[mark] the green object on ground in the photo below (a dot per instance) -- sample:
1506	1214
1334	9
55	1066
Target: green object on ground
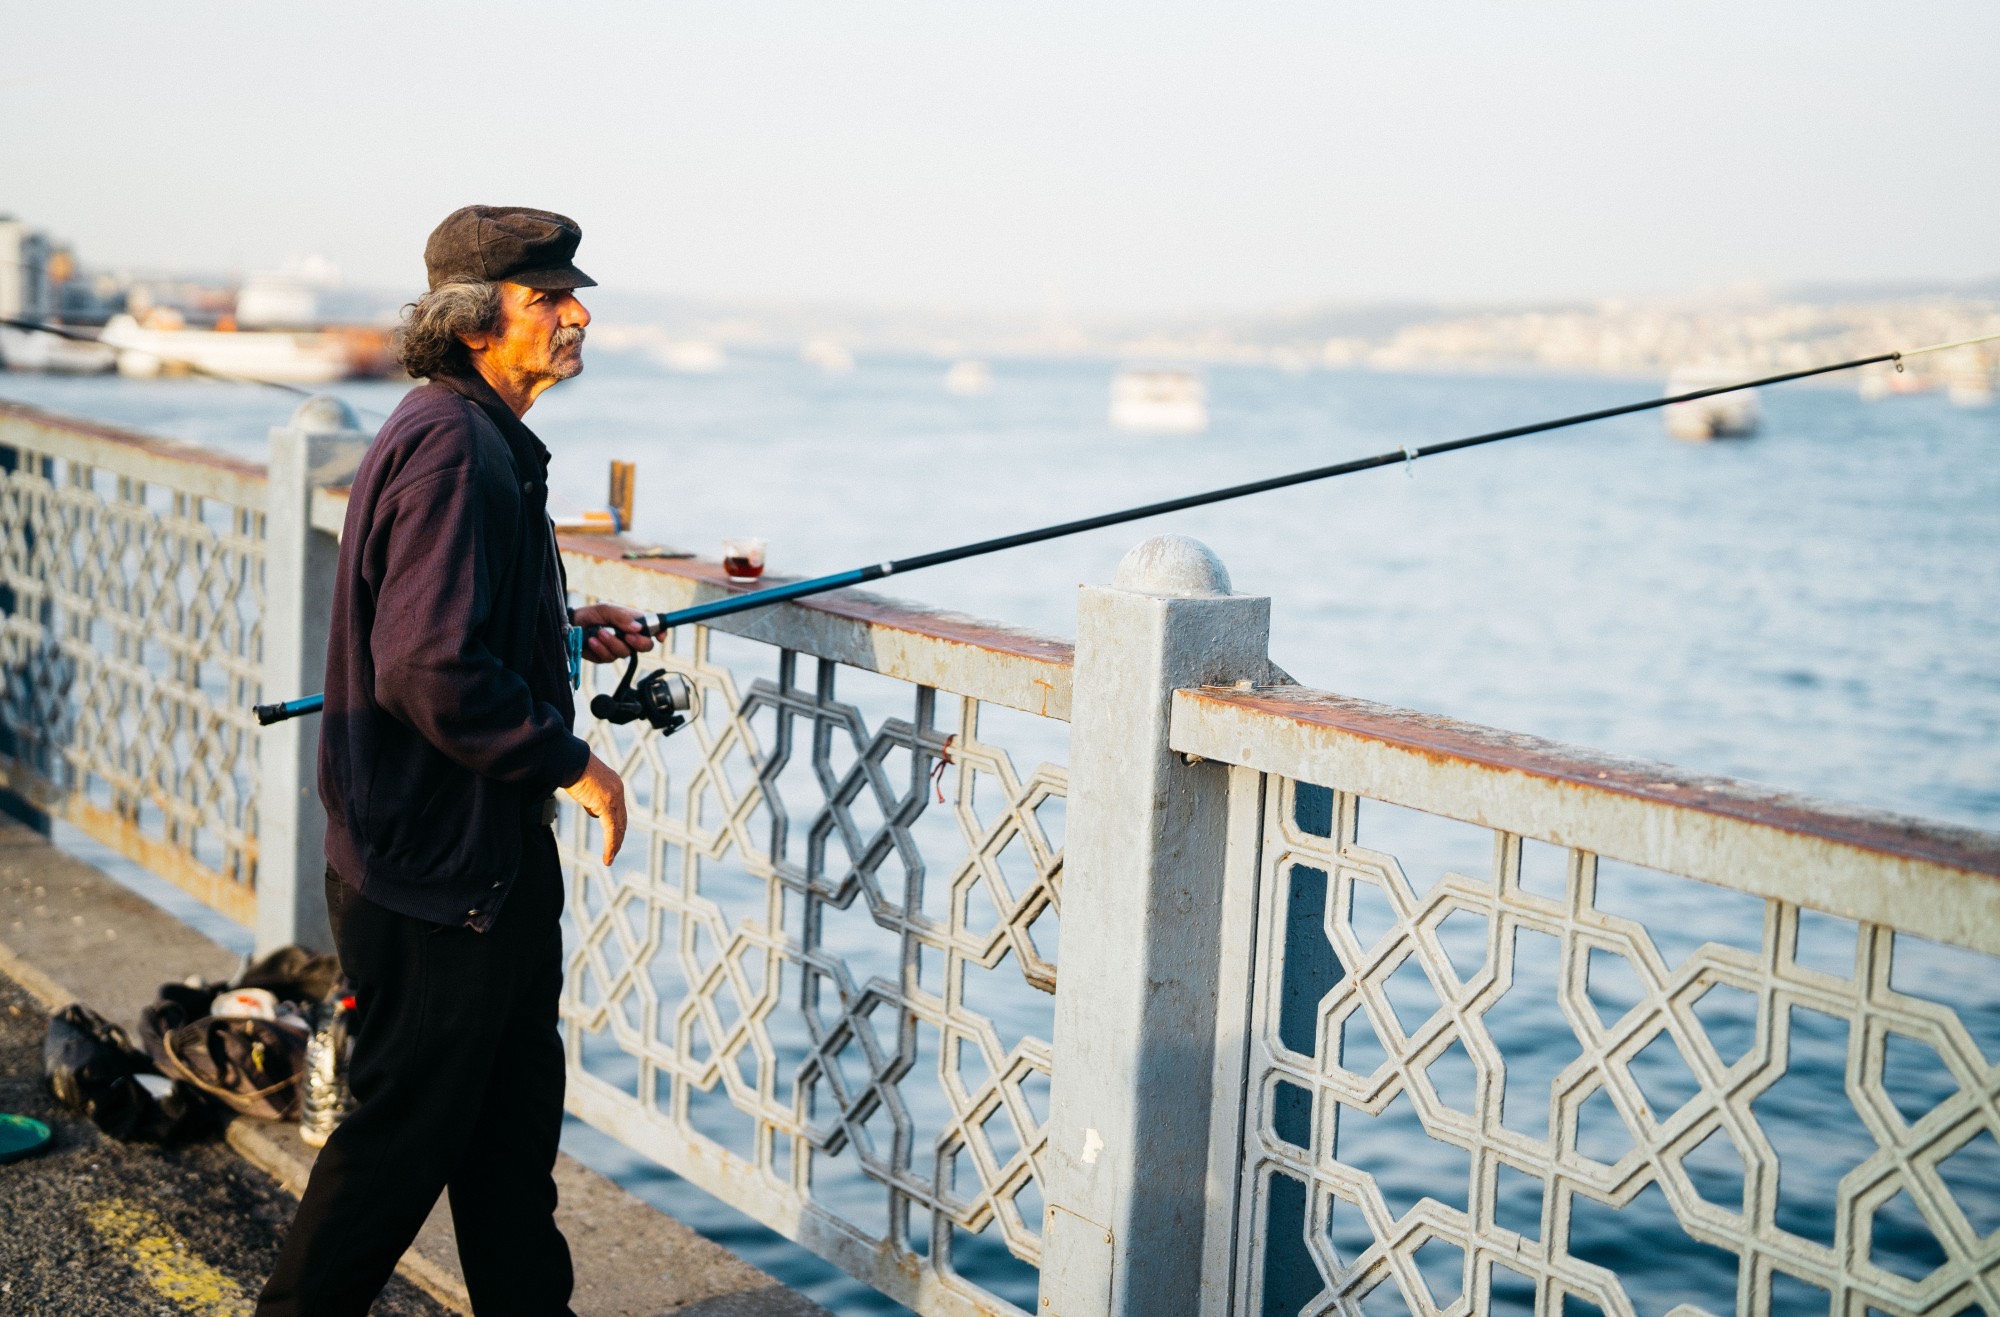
20	1136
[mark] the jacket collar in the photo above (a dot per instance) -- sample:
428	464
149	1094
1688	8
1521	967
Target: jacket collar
529	452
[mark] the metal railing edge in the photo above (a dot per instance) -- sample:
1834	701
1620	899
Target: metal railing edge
1932	879
186	467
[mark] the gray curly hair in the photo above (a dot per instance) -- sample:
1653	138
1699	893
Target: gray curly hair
428	342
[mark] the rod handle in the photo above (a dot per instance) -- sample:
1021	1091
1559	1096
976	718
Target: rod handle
277	713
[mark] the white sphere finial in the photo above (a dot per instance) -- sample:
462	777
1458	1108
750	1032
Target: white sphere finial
1173	565
324	414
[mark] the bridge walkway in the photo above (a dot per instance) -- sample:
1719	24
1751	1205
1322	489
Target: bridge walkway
94	1228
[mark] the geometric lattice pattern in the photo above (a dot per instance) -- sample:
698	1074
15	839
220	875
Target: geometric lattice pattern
812	988
1677	1144
130	647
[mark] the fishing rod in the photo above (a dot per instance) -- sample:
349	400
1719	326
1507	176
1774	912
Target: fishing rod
659	623
192	367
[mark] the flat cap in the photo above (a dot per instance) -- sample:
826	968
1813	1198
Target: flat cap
510	244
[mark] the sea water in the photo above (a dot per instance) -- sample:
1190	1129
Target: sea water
1817	608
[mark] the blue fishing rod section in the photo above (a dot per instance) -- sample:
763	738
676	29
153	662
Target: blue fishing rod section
778	594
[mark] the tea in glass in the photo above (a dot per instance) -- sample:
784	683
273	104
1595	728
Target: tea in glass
743	559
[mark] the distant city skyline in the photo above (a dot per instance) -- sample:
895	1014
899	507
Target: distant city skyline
1054	159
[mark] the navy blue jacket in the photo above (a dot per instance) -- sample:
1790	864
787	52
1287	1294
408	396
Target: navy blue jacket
448	708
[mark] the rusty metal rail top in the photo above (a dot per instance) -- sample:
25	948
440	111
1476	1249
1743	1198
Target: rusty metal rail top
1933	879
1900	835
20	424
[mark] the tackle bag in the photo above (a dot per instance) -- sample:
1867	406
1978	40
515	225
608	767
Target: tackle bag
251	1066
96	1072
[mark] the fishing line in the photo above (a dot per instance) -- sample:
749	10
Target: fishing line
192	367
661	622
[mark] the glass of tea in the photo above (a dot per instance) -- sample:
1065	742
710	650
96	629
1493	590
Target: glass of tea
743	559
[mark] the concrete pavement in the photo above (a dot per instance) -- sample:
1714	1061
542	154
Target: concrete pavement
67	932
97	1228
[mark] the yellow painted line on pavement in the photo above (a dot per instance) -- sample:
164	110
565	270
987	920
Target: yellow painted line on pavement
166	1262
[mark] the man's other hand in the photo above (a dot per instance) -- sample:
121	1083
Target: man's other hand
611	632
600	792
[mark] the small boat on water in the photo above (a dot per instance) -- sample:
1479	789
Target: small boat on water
1724	416
968	379
1968	382
1976	391
1879	382
829	356
691	356
1159	402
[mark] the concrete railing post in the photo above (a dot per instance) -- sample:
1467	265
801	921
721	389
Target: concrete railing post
1135	1005
321	446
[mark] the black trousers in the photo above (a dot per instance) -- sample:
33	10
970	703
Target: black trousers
458	1080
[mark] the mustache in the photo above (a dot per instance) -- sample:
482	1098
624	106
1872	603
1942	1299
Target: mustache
566	337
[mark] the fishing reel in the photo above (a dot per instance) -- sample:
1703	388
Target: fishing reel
664	699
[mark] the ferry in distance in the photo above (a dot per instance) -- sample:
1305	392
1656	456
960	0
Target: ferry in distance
691	356
829	356
1878	382
270	329
1159	402
163	344
969	379
1968	382
1724	416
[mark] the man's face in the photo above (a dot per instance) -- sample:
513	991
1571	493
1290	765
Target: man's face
540	336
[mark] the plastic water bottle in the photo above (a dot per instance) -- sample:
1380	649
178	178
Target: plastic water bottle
326	1100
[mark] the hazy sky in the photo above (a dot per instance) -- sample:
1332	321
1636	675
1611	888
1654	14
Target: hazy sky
1021	155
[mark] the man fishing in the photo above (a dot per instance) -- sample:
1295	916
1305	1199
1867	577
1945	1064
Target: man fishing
446	734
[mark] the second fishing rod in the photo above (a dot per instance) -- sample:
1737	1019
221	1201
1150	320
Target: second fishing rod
659	623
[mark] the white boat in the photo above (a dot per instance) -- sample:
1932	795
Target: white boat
691	356
1879	382
829	356
281	358
1971	391
1968	382
25	349
968	379
1159	402
1724	416
276	301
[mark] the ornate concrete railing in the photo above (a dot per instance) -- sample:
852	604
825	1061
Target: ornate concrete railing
817	982
1585	1030
150	591
1359	1010
131	609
